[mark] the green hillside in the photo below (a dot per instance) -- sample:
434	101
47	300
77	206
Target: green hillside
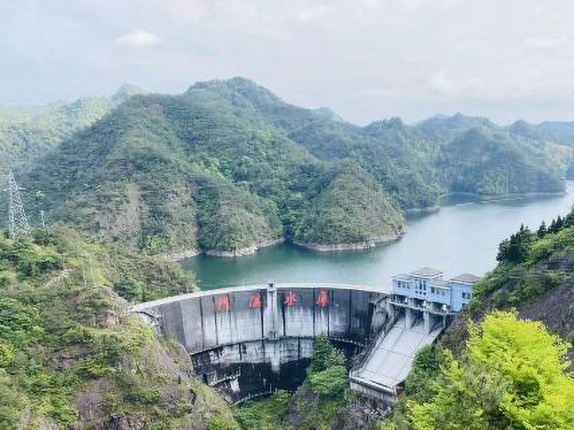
488	164
227	167
71	356
29	132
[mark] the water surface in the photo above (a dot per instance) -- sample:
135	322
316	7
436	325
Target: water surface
463	236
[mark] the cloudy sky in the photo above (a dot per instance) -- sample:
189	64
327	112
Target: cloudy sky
366	59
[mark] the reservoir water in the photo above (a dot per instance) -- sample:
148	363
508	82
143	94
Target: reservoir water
463	236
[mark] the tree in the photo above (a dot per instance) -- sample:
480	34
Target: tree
512	376
325	355
542	230
515	249
328	371
330	382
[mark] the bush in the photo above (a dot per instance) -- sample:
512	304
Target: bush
325	355
330	382
512	376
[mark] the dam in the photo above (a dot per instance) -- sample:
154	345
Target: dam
251	341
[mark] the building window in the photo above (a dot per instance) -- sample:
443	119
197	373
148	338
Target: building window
432	290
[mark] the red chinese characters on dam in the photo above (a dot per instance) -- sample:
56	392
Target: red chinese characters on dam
223	304
291	299
255	301
323	299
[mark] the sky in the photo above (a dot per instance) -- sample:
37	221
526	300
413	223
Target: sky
365	59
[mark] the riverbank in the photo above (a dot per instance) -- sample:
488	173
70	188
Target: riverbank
457	236
251	250
243	252
322	247
508	196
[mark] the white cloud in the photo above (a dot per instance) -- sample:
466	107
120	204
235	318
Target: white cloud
544	42
367	59
140	39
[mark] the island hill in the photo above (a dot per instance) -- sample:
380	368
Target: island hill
228	167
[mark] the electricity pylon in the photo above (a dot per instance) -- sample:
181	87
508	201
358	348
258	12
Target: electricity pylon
18	222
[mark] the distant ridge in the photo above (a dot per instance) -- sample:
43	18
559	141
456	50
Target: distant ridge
228	167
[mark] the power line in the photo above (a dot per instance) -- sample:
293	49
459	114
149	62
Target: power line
18	222
43	220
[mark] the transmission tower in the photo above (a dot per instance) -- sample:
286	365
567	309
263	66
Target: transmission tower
18	222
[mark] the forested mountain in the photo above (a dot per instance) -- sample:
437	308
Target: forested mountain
560	130
228	166
29	132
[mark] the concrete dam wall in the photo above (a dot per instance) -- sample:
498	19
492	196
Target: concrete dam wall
251	341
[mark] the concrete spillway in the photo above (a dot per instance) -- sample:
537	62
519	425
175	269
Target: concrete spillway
250	341
390	359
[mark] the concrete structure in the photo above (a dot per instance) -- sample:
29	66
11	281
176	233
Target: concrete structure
388	363
426	289
420	307
251	341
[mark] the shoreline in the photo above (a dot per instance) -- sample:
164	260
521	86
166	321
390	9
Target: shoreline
243	252
333	247
508	196
422	210
356	246
248	250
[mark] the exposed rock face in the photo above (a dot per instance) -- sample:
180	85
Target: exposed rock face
321	247
304	403
182	255
356	417
246	251
177	387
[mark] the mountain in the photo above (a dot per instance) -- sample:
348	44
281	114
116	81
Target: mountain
446	128
228	167
483	163
27	133
72	356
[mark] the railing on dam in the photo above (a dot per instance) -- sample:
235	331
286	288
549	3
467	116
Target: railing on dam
279	286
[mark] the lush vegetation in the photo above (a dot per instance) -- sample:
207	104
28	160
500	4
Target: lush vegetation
512	375
318	404
228	165
27	133
69	350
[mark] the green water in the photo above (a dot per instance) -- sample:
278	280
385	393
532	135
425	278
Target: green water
462	236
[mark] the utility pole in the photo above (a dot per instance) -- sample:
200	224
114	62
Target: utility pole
18	224
43	219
